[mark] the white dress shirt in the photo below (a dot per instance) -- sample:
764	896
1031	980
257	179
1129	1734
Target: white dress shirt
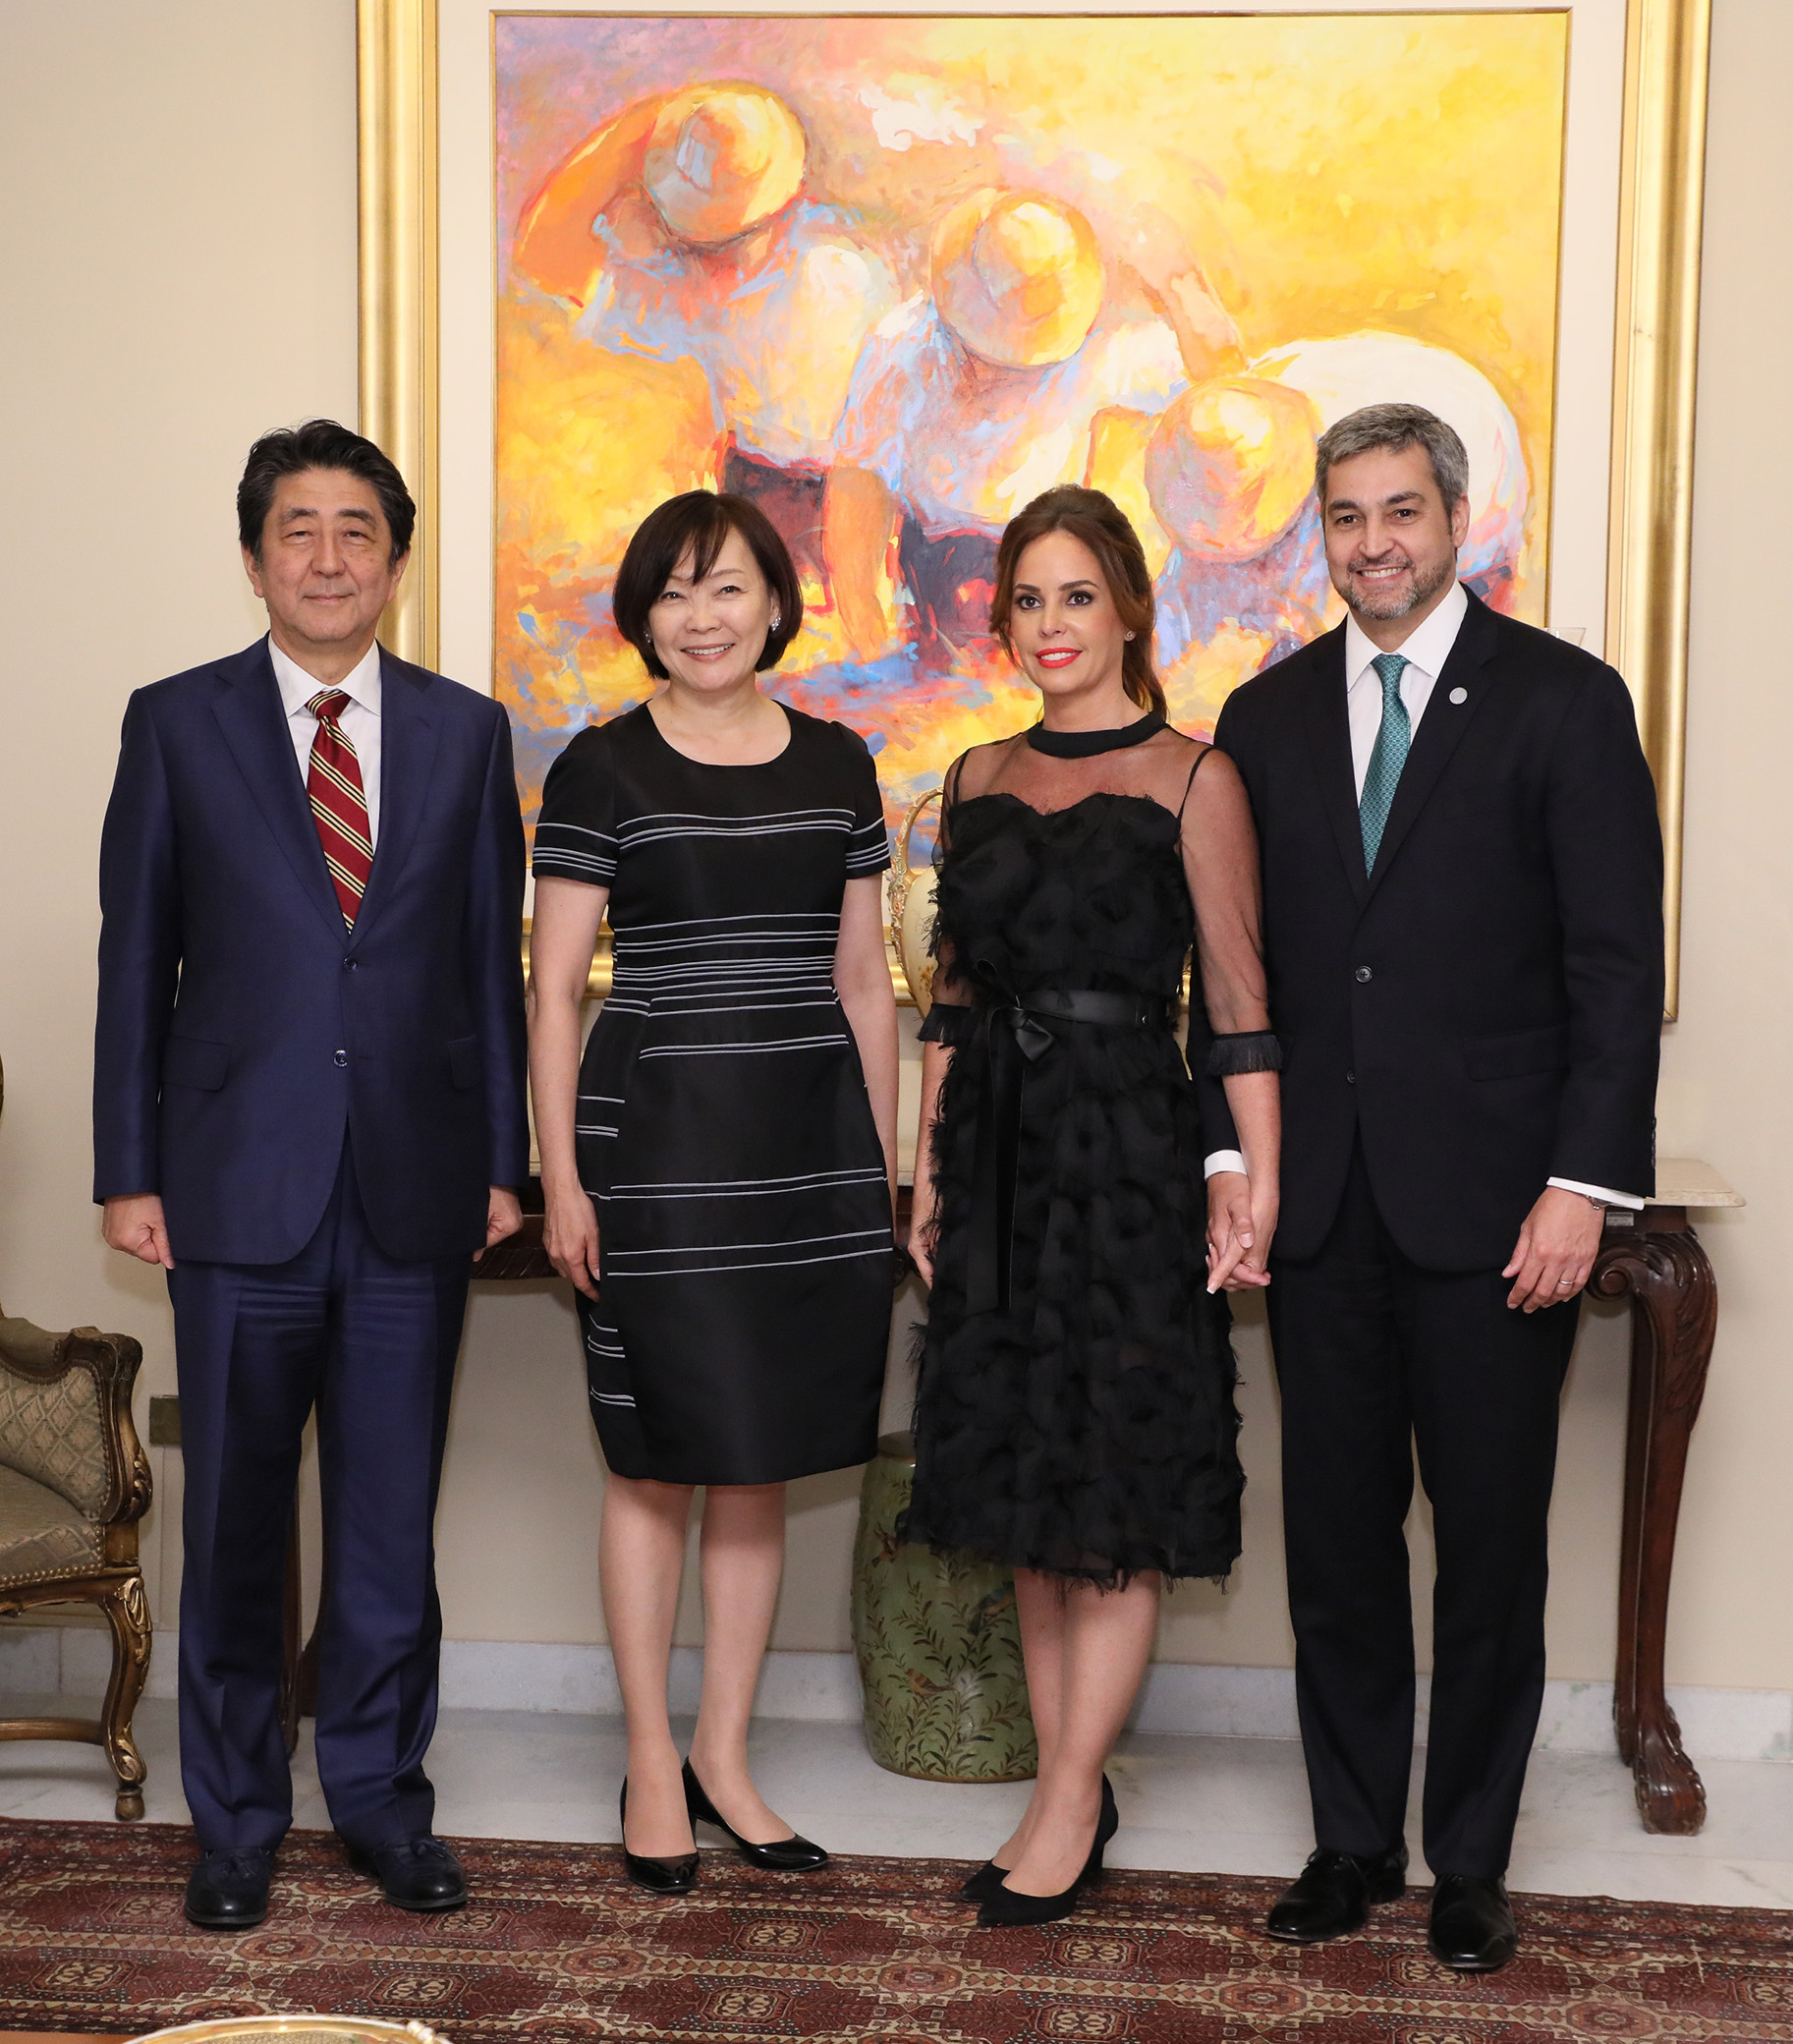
1425	652
360	721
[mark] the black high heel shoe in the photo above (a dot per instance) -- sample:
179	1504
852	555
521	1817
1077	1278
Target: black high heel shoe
988	1877
675	1876
1005	1907
792	1856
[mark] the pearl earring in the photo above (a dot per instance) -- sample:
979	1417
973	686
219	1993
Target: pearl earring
777	621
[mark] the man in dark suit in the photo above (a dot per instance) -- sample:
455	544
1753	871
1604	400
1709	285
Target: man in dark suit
308	1107
1462	872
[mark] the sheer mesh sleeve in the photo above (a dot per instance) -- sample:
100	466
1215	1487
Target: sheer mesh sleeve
1219	846
951	992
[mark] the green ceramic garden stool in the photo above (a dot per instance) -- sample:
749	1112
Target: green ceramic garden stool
938	1646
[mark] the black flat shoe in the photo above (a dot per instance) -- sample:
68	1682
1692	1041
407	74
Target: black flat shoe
988	1877
792	1856
1004	1907
1334	1895
228	1891
675	1876
419	1873
1472	1929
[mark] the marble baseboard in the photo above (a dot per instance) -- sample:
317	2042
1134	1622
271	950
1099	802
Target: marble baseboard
1204	1702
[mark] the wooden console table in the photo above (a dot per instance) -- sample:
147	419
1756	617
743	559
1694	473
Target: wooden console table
1654	1260
1657	1261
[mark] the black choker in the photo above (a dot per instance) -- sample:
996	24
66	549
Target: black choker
1085	745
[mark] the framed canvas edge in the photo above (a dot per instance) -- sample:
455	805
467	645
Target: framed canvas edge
1649	526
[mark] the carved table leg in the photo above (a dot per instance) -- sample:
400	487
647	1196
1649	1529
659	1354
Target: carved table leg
1661	1266
127	1612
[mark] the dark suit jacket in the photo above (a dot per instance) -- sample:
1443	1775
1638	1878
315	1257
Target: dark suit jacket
1488	1007
243	1030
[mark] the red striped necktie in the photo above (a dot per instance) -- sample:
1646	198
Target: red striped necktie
339	807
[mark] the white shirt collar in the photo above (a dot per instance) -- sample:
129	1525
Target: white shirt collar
1427	648
361	683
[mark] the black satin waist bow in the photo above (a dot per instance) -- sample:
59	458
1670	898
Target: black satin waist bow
1014	1035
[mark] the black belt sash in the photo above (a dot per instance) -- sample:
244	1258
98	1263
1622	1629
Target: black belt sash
1014	1037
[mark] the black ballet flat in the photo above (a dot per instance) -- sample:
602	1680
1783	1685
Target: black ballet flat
1005	1909
792	1856
675	1876
988	1877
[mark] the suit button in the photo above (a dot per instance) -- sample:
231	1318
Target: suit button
342	1056
1364	976
1351	1078
354	965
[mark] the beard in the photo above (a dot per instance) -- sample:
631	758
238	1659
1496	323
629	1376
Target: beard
1425	585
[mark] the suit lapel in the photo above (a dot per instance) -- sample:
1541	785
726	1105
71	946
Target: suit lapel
407	749
1440	730
253	722
1325	718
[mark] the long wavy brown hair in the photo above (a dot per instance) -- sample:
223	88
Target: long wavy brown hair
1102	526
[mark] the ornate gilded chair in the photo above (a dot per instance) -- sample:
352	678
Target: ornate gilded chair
73	1483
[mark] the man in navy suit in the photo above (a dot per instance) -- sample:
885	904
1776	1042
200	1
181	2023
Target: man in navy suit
309	1107
1463	926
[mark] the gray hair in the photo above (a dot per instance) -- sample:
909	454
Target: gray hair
1396	428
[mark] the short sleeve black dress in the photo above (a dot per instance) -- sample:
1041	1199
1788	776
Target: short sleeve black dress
723	1125
1075	1406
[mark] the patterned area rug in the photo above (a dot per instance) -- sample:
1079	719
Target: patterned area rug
556	1945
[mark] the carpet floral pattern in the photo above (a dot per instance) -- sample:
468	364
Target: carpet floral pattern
556	1945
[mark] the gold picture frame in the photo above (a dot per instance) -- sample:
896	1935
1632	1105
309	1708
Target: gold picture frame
1661	179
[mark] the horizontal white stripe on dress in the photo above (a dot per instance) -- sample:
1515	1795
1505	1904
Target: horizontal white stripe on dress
719	922
549	864
845	1234
782	970
747	1189
757	1008
776	1262
851	1175
794	1043
637	834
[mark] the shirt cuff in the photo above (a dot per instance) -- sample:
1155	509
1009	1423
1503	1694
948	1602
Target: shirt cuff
1600	1192
1222	1160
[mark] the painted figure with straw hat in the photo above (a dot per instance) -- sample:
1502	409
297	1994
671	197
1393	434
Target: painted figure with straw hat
681	230
988	388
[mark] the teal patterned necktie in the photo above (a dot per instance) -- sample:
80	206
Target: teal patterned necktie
1389	756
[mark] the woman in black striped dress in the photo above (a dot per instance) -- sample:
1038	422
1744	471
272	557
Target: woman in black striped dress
718	1167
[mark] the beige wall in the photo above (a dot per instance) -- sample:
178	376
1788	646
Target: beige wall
180	257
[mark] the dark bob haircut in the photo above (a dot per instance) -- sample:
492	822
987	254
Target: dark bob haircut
698	524
320	443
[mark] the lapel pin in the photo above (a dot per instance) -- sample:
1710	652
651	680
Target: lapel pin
1459	694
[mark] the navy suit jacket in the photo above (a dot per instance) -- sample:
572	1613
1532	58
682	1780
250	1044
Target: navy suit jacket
1484	1010
244	1032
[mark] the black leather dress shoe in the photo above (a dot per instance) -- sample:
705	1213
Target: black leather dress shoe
1004	1907
1334	1895
1472	1924
676	1875
228	1891
419	1873
793	1855
988	1878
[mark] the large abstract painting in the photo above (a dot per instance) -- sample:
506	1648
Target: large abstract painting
890	277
